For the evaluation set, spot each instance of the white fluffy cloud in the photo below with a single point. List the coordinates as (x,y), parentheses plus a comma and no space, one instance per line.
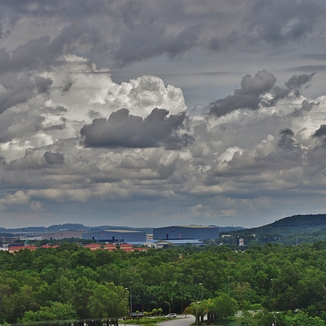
(234,159)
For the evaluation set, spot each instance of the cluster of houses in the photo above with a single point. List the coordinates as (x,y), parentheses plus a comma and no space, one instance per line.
(92,246)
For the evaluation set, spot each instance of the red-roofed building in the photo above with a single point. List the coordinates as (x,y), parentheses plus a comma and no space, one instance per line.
(13,249)
(93,246)
(110,247)
(47,246)
(126,247)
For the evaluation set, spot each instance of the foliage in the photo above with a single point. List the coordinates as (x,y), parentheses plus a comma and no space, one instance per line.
(292,230)
(107,301)
(57,311)
(211,279)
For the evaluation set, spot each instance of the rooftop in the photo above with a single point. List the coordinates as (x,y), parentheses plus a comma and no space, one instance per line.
(192,226)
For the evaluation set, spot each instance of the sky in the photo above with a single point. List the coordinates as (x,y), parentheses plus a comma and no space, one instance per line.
(155,113)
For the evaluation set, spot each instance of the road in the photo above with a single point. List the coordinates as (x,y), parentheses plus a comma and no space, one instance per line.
(179,321)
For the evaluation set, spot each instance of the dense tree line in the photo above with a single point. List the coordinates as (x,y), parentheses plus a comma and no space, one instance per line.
(71,282)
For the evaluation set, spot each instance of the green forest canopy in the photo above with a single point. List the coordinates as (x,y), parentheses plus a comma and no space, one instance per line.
(75,282)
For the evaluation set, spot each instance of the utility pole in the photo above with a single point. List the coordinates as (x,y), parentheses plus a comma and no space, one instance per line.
(130,298)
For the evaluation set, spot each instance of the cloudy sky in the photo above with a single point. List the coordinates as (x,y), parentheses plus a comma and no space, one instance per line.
(154,113)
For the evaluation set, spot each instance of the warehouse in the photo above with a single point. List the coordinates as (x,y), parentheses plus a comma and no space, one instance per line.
(64,234)
(198,232)
(116,236)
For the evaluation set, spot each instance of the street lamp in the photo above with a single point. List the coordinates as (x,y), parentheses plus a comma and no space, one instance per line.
(275,316)
(202,291)
(126,289)
(130,298)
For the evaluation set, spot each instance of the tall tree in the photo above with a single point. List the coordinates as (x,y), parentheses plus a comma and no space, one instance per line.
(108,301)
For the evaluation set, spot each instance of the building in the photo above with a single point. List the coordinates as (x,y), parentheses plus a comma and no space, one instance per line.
(62,235)
(190,232)
(149,236)
(9,239)
(116,236)
(166,243)
(14,249)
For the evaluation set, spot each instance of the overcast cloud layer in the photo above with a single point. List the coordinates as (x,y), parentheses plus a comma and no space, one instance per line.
(153,113)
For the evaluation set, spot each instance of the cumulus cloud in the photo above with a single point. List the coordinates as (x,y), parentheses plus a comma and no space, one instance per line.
(124,130)
(87,124)
(248,96)
(19,197)
(257,92)
(42,84)
(321,131)
(287,139)
(296,82)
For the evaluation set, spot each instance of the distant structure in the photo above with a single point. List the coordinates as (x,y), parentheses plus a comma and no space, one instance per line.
(241,242)
(166,243)
(62,235)
(190,232)
(149,236)
(116,236)
(9,239)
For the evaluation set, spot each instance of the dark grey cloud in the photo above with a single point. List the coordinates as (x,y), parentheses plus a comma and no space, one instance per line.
(251,94)
(67,83)
(125,130)
(153,40)
(248,96)
(73,10)
(22,90)
(43,52)
(297,81)
(321,132)
(287,140)
(287,132)
(43,84)
(54,158)
(55,127)
(19,89)
(280,21)
(31,55)
(138,30)
(3,33)
(308,68)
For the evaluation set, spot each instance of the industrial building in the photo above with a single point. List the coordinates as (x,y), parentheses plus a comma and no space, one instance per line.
(190,232)
(166,243)
(116,236)
(64,234)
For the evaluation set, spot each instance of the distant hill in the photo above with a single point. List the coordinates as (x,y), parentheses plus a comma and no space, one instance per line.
(225,229)
(81,227)
(288,230)
(292,229)
(66,227)
(293,224)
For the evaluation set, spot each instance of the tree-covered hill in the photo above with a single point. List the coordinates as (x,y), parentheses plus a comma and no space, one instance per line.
(301,221)
(289,230)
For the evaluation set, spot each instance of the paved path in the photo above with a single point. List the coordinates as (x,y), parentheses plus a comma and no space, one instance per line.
(179,321)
